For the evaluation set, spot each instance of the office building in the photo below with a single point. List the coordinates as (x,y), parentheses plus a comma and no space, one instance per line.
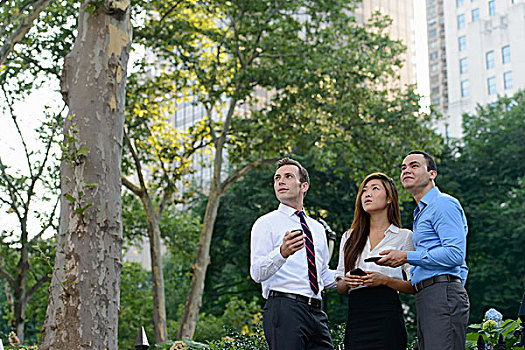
(482,51)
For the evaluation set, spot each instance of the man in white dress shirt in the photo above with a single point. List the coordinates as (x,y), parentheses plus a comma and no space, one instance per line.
(292,270)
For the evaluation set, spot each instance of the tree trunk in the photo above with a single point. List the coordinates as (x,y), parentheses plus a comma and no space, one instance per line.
(193,304)
(20,294)
(84,295)
(159,300)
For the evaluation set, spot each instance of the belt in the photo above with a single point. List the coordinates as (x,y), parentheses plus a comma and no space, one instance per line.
(436,279)
(313,302)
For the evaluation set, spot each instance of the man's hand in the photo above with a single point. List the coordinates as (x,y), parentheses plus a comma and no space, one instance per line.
(292,242)
(392,258)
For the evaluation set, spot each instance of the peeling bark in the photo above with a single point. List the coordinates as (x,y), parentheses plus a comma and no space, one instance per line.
(84,298)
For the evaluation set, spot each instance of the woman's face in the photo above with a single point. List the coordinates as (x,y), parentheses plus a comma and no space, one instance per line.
(374,197)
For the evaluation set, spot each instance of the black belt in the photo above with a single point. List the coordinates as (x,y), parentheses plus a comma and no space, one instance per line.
(436,279)
(313,302)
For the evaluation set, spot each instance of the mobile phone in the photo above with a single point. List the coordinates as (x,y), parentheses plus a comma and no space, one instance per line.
(296,233)
(373,259)
(358,271)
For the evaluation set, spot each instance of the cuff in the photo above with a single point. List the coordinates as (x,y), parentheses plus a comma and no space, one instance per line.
(415,257)
(276,257)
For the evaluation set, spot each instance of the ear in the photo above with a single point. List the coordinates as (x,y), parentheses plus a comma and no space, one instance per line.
(433,174)
(304,187)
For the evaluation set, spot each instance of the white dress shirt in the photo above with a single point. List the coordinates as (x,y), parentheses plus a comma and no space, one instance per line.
(395,238)
(289,275)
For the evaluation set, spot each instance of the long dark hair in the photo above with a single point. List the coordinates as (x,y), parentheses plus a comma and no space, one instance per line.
(361,225)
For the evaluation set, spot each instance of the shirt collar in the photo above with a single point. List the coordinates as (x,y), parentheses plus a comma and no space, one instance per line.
(430,196)
(287,210)
(393,228)
(426,200)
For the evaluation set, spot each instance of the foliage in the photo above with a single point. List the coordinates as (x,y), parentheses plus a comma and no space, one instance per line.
(485,172)
(39,56)
(136,304)
(490,332)
(239,316)
(238,340)
(303,74)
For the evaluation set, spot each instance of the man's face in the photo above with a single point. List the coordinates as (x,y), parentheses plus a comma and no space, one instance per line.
(288,188)
(414,174)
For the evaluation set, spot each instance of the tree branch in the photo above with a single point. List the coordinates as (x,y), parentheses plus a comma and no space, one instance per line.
(7,276)
(170,10)
(138,166)
(13,193)
(37,285)
(22,29)
(241,172)
(49,223)
(139,191)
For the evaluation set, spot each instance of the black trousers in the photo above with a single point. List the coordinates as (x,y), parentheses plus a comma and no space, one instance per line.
(291,325)
(375,320)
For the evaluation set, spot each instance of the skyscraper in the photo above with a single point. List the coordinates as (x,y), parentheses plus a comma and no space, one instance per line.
(483,51)
(405,16)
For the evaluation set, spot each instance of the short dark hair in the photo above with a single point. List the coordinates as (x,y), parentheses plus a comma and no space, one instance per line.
(431,164)
(303,173)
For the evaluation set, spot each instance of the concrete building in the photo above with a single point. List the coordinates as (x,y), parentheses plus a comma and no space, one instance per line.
(483,52)
(408,23)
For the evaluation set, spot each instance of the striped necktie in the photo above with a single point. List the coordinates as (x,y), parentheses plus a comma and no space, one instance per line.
(310,253)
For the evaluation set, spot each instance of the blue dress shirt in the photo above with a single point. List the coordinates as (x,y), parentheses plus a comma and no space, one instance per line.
(440,238)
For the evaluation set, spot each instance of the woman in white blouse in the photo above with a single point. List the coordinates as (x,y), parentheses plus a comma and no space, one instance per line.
(375,317)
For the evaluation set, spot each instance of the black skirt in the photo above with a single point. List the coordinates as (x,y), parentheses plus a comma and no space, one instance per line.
(375,320)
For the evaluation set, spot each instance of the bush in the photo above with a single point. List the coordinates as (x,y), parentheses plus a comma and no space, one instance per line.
(491,329)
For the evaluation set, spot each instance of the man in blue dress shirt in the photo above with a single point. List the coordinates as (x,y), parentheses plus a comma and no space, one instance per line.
(439,269)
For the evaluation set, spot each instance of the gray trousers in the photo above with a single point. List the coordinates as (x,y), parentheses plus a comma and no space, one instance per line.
(442,316)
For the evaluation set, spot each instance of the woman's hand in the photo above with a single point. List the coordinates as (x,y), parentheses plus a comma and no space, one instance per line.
(374,279)
(352,281)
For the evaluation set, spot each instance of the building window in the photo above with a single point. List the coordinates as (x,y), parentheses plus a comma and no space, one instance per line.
(465,87)
(432,44)
(434,68)
(462,43)
(492,7)
(491,85)
(435,90)
(433,55)
(461,21)
(463,67)
(432,21)
(431,10)
(459,3)
(475,14)
(489,58)
(505,54)
(432,33)
(507,80)
(435,101)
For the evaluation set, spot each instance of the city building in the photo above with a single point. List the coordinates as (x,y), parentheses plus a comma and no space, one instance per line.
(482,51)
(408,23)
